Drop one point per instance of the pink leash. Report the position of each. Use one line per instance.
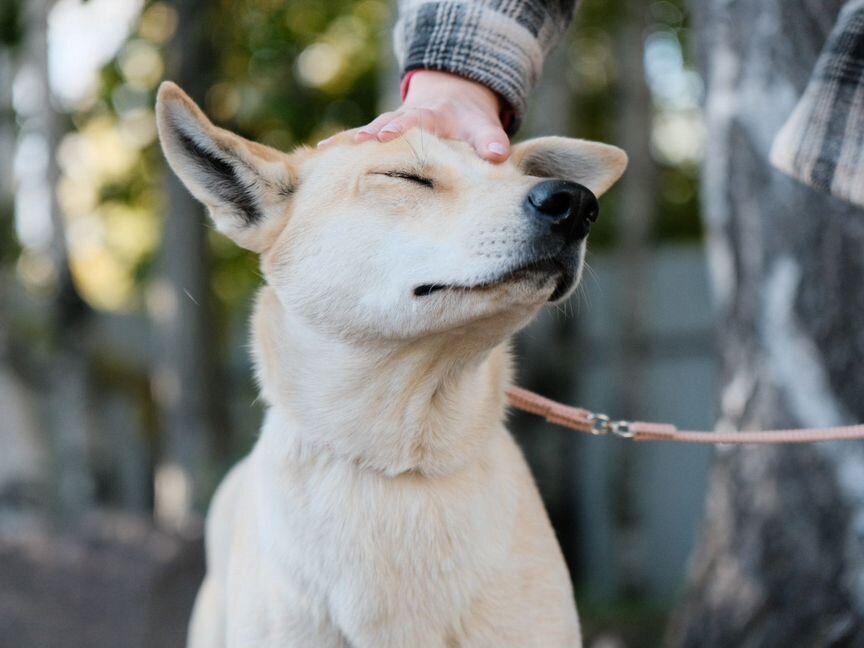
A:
(584, 420)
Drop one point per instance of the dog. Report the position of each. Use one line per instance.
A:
(385, 505)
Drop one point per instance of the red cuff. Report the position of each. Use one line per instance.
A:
(406, 81)
(506, 115)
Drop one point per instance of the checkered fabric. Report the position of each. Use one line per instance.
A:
(822, 142)
(499, 43)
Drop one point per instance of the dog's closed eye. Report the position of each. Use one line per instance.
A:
(411, 177)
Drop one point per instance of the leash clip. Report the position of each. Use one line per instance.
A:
(603, 425)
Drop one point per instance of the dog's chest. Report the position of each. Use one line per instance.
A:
(374, 549)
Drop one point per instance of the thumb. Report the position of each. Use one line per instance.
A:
(491, 143)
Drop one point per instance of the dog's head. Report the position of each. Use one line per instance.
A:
(399, 240)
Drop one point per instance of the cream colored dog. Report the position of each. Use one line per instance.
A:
(385, 505)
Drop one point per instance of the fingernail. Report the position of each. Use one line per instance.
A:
(324, 142)
(496, 148)
(392, 128)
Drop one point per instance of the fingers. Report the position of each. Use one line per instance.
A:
(342, 137)
(394, 124)
(384, 127)
(371, 130)
(327, 141)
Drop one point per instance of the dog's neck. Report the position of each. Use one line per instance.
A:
(426, 407)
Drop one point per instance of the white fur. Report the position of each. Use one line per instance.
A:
(385, 505)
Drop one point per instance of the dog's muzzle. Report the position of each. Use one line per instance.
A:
(561, 214)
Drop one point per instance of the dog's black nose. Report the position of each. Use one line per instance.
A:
(567, 207)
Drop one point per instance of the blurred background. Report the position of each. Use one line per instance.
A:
(125, 383)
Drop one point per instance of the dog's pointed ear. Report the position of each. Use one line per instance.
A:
(246, 187)
(592, 164)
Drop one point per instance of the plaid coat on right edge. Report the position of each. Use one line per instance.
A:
(822, 142)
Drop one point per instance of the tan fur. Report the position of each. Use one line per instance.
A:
(384, 505)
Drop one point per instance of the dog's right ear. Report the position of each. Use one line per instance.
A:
(595, 165)
(246, 187)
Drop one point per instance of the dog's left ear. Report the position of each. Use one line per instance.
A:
(246, 186)
(592, 164)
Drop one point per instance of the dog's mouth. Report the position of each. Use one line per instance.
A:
(541, 268)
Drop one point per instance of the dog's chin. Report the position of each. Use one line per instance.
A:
(552, 279)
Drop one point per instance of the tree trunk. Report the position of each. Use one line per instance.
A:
(781, 560)
(187, 383)
(67, 379)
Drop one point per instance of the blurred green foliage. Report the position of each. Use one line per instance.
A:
(290, 72)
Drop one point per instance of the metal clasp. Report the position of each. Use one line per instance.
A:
(603, 425)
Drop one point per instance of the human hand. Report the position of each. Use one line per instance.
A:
(449, 106)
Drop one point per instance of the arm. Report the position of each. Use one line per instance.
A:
(468, 66)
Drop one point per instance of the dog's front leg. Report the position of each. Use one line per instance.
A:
(207, 627)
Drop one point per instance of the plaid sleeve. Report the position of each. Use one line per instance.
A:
(822, 142)
(499, 43)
